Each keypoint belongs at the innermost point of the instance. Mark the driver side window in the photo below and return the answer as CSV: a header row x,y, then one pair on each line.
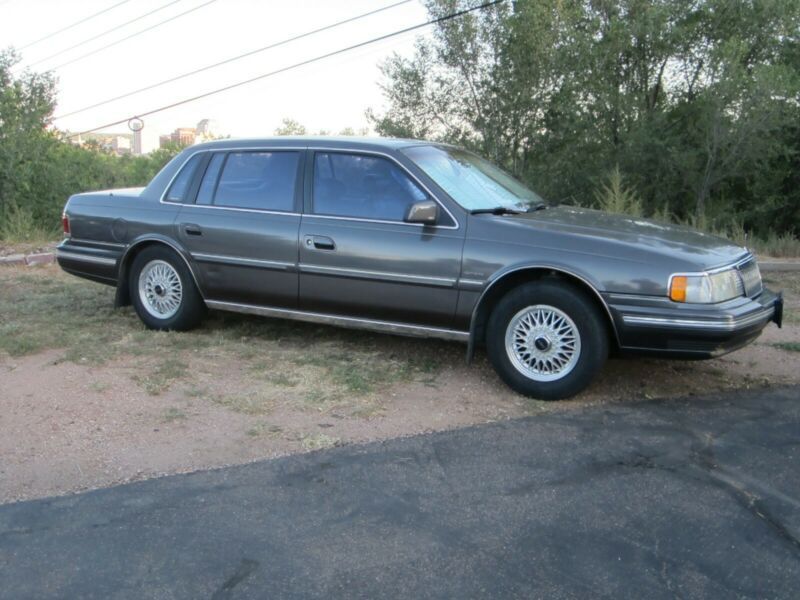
x,y
362,186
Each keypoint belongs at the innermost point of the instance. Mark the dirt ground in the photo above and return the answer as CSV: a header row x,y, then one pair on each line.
x,y
88,398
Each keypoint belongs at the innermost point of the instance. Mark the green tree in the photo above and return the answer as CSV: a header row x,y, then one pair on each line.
x,y
39,168
694,101
290,127
26,106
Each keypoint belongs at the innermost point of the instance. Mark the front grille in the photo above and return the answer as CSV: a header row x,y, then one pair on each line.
x,y
751,277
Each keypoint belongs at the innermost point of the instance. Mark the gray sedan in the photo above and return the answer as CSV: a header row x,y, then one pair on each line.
x,y
414,238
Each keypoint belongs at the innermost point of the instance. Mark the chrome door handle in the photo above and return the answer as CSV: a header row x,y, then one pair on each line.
x,y
320,242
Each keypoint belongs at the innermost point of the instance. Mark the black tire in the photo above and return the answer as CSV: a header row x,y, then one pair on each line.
x,y
587,319
190,310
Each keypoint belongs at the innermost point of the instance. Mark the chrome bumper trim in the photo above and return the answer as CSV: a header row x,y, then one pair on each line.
x,y
709,324
351,322
97,260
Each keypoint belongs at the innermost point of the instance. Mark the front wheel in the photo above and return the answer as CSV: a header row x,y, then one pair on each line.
x,y
547,339
163,291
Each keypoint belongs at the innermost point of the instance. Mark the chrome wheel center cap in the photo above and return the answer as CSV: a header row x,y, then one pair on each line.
x,y
541,343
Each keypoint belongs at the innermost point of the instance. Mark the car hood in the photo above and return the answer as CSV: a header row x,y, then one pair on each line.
x,y
694,247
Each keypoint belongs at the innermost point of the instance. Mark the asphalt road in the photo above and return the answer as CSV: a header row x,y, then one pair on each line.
x,y
689,498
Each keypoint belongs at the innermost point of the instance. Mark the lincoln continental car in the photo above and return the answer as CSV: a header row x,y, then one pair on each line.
x,y
414,238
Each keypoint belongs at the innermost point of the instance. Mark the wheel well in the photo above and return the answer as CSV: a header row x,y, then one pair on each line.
x,y
516,278
123,295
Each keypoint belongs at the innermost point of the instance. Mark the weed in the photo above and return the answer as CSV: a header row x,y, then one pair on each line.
x,y
788,346
318,441
159,378
260,429
173,414
99,386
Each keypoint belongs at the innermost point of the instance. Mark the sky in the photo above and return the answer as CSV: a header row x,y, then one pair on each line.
x,y
331,94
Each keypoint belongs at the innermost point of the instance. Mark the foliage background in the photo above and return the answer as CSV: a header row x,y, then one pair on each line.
x,y
676,109
39,170
691,106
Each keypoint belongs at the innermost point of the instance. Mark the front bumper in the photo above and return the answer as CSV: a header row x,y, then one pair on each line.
x,y
659,326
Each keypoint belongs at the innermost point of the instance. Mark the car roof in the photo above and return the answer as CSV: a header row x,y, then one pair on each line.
x,y
303,141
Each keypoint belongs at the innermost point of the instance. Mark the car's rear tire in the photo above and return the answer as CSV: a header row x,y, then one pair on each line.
x,y
547,339
163,291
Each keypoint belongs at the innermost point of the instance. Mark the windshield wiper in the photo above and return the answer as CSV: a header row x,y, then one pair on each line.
x,y
505,210
496,210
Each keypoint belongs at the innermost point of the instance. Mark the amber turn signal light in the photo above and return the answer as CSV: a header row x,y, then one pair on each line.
x,y
677,289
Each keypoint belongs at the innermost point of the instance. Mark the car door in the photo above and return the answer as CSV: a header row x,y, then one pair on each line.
x,y
241,225
359,258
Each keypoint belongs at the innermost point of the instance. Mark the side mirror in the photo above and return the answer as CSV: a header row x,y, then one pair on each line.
x,y
426,212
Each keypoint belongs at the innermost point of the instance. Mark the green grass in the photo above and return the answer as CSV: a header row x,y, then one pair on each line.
x,y
246,364
172,414
20,227
159,377
788,346
318,441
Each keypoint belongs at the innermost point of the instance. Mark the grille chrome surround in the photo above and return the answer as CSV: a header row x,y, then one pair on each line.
x,y
750,275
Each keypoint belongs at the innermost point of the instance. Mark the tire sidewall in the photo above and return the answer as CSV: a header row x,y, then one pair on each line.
x,y
191,307
591,328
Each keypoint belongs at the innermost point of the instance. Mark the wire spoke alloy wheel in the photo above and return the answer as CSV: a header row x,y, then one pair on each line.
x,y
543,343
160,289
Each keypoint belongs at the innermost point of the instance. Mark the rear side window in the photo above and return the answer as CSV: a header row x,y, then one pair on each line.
x,y
205,195
181,184
260,180
362,186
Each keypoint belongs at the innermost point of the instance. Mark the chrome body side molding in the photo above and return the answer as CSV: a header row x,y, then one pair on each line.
x,y
342,321
243,262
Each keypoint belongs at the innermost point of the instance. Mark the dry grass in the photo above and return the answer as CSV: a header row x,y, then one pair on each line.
x,y
273,362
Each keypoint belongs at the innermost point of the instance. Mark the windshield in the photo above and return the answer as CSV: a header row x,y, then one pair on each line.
x,y
475,183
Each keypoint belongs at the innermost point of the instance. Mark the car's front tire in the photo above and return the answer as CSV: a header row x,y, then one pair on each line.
x,y
547,339
163,291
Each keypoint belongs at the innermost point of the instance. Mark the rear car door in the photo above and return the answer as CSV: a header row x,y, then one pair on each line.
x,y
359,258
240,223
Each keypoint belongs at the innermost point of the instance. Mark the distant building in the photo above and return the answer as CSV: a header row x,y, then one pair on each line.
x,y
137,142
182,136
206,130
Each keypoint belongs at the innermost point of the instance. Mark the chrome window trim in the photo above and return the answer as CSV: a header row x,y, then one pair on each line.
x,y
288,213
235,149
242,261
731,324
413,177
98,260
383,275
342,321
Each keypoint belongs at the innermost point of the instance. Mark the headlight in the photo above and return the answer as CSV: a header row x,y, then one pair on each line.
x,y
706,288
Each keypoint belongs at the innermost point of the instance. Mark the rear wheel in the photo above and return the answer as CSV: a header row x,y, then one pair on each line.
x,y
163,291
547,339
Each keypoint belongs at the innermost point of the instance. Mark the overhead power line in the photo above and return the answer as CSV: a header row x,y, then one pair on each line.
x,y
113,29
226,88
232,59
133,35
75,24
